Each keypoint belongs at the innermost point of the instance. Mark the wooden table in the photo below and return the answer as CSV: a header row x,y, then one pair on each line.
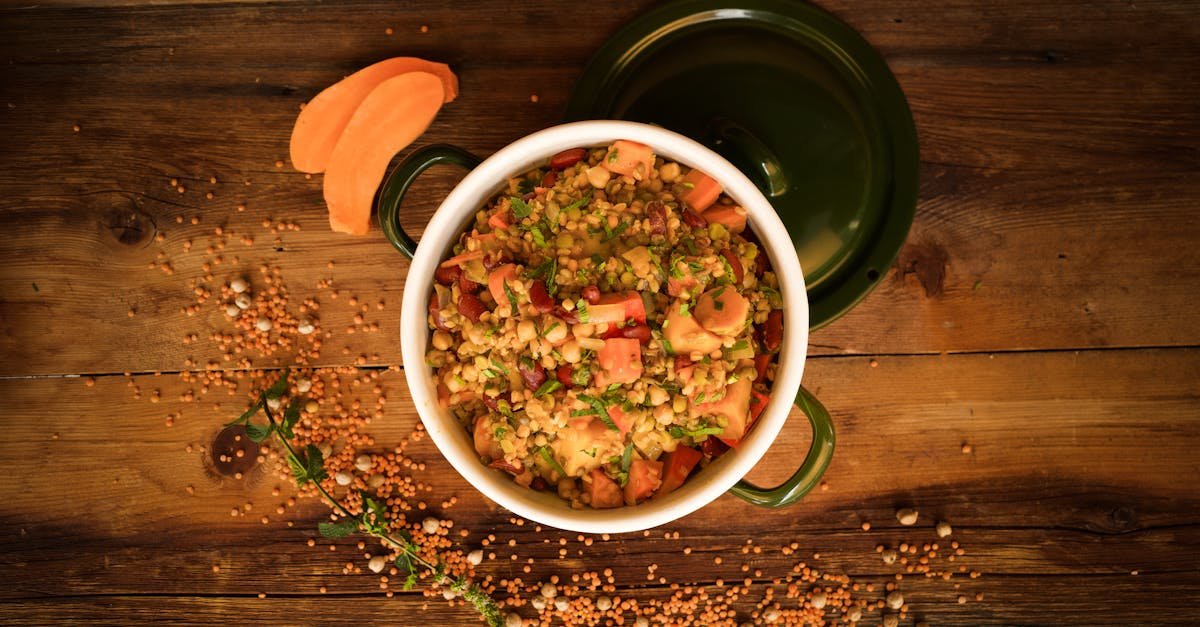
x,y
1028,370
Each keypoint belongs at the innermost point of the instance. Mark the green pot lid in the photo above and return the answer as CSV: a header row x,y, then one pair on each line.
x,y
797,100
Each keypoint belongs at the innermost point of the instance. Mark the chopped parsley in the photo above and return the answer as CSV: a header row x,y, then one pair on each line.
x,y
538,238
499,366
614,232
548,387
667,348
578,203
582,310
512,298
549,329
544,451
520,208
601,409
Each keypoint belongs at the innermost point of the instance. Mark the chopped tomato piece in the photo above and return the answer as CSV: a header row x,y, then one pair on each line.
x,y
623,420
644,478
605,492
629,159
678,464
757,405
497,281
703,192
620,361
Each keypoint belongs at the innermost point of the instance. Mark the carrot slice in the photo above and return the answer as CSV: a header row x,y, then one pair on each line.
x,y
498,281
394,115
325,117
703,192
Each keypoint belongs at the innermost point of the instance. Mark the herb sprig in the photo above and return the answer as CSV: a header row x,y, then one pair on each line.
x,y
308,466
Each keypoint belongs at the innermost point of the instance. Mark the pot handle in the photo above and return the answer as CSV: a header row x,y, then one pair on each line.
x,y
397,183
806,478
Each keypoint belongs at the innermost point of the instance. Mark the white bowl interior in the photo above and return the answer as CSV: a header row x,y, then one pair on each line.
x,y
455,442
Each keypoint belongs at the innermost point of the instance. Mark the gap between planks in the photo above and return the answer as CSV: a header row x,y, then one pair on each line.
x,y
824,357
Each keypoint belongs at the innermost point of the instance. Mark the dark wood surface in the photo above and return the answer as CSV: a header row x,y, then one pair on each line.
x,y
1044,310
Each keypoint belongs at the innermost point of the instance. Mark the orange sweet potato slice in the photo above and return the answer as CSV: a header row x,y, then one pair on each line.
x,y
396,113
325,117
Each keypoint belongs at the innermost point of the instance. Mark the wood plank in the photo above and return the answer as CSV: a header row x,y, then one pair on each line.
x,y
1074,471
1013,171
1007,601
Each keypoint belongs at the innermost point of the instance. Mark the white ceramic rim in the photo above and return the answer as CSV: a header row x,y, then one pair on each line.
x,y
455,442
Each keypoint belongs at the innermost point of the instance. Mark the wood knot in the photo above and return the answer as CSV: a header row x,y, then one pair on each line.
x,y
129,225
1122,517
233,452
927,262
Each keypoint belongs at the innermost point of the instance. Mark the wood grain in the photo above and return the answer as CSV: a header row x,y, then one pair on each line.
x,y
1043,178
1057,212
1054,488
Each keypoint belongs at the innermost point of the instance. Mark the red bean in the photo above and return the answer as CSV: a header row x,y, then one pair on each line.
x,y
693,219
549,178
656,213
681,362
532,372
570,317
447,276
760,366
736,265
540,298
467,286
639,332
470,306
500,464
591,294
538,484
567,158
713,447
564,375
773,331
435,312
492,402
761,263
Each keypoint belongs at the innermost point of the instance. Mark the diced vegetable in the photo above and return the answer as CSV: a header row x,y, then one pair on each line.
x,y
604,492
485,439
757,404
322,121
702,192
470,306
499,219
629,159
677,465
645,477
773,331
686,336
722,310
732,217
611,313
734,407
634,307
620,361
393,115
497,284
623,420
578,444
459,260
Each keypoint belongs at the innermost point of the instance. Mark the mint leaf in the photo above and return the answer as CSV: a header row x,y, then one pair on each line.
x,y
279,387
291,416
579,203
544,451
339,529
315,463
259,433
